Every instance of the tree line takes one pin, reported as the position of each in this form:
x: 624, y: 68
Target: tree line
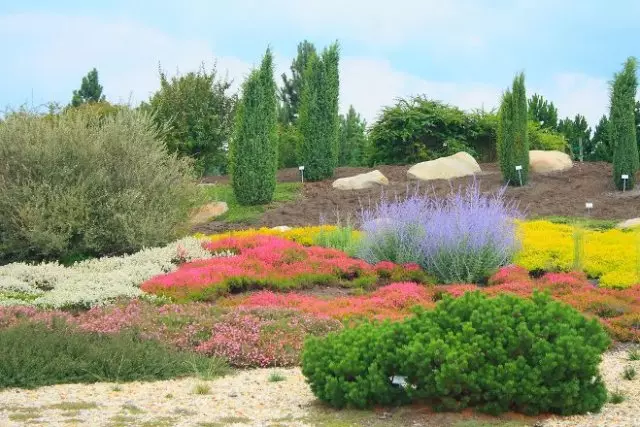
x: 225, y: 132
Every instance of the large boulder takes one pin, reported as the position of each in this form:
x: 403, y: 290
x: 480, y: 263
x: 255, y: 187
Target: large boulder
x: 361, y: 181
x: 549, y: 161
x: 630, y: 223
x: 206, y: 213
x: 455, y: 166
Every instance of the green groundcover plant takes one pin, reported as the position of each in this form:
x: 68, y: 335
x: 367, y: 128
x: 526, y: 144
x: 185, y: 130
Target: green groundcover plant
x: 497, y: 354
x: 35, y: 354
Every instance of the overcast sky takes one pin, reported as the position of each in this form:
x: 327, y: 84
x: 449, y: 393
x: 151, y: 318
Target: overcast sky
x: 463, y: 52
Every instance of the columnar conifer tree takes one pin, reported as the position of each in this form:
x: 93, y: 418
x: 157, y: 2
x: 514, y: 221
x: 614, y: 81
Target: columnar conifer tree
x: 254, y: 146
x: 513, y: 140
x: 319, y: 122
x: 622, y: 126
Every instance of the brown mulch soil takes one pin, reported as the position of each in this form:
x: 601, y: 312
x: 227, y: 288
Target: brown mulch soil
x: 562, y: 194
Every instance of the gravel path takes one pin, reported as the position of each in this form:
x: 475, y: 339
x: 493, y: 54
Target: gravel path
x: 249, y: 398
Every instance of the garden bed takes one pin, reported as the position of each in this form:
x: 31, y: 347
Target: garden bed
x: 557, y: 194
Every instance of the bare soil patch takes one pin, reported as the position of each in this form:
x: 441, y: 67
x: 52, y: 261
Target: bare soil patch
x: 557, y: 194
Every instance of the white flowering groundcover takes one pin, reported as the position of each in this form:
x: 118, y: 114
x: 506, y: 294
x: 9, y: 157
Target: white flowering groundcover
x: 92, y: 282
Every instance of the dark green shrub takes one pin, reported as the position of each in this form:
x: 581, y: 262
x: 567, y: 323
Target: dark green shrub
x: 416, y: 130
x: 545, y: 139
x: 513, y: 138
x: 622, y: 125
x: 83, y: 184
x: 254, y: 149
x: 199, y: 112
x: 319, y: 122
x: 34, y: 354
x: 496, y: 354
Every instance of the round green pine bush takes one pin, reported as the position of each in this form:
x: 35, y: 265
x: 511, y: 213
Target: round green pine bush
x: 352, y: 367
x: 497, y: 354
x: 82, y: 183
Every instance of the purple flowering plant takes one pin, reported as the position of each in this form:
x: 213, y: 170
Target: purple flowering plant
x: 463, y: 237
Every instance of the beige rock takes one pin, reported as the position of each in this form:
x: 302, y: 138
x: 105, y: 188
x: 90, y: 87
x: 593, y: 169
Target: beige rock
x: 455, y: 166
x: 630, y: 223
x: 362, y: 181
x: 549, y: 161
x: 281, y: 228
x: 208, y: 212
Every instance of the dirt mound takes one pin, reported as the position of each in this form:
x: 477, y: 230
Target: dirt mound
x: 563, y: 193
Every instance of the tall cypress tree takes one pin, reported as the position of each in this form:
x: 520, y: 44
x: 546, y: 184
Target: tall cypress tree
x: 254, y: 147
x: 513, y: 140
x: 318, y: 122
x: 622, y: 126
x: 353, y: 139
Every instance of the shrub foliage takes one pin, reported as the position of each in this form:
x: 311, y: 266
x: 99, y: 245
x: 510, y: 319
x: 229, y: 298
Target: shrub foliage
x: 82, y: 184
x: 462, y: 238
x: 254, y: 149
x: 34, y: 354
x: 513, y: 139
x: 496, y: 354
x: 319, y: 122
x: 622, y: 125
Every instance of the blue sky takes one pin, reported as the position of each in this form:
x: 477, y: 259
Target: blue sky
x: 460, y: 51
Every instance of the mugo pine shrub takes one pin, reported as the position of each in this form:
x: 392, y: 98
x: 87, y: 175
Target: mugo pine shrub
x: 497, y: 354
x: 254, y: 149
x: 80, y: 184
x: 513, y: 137
x: 462, y: 238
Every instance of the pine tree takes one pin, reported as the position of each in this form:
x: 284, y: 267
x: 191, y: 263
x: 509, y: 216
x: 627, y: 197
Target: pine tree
x: 353, y: 139
x: 291, y: 91
x: 318, y: 123
x: 622, y: 126
x: 577, y: 132
x: 90, y: 90
x: 254, y: 148
x: 543, y: 112
x: 602, y: 150
x: 513, y: 141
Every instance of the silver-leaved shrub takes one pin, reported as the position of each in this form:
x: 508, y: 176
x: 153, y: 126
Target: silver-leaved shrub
x: 461, y: 238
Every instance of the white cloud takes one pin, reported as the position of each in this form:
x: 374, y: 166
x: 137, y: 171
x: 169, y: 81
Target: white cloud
x: 369, y: 84
x: 55, y: 51
x: 62, y: 49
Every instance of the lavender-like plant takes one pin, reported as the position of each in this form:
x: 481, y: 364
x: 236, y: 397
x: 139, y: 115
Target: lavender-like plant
x: 461, y: 238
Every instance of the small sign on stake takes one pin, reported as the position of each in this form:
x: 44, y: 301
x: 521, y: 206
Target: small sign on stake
x: 519, y: 169
x: 624, y: 182
x: 399, y: 380
x: 588, y: 206
x: 301, y: 169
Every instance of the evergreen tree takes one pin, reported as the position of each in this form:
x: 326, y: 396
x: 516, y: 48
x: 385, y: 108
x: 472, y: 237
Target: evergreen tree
x: 577, y: 131
x: 513, y: 141
x: 353, y: 139
x: 543, y: 112
x: 318, y: 123
x: 254, y: 148
x: 90, y: 90
x: 602, y: 150
x: 291, y: 91
x: 200, y: 112
x: 622, y: 128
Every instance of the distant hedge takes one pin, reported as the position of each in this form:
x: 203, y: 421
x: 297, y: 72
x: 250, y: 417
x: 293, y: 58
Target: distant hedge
x: 418, y: 129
